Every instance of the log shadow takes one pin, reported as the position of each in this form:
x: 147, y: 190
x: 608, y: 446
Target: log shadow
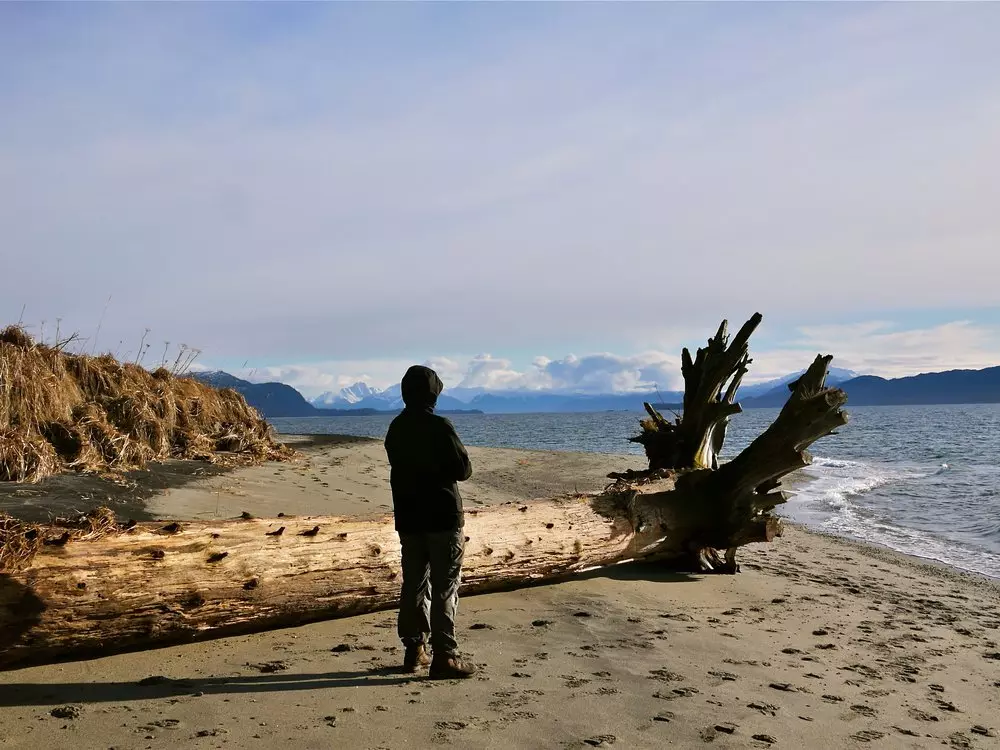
x: 641, y: 570
x: 22, y: 609
x: 53, y: 693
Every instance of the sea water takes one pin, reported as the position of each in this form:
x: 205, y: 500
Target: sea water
x: 924, y: 480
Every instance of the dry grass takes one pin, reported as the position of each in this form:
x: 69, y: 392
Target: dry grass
x: 62, y: 411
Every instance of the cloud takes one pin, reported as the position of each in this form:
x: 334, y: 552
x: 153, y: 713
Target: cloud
x: 316, y: 378
x: 873, y: 347
x: 594, y: 373
x: 490, y: 373
x: 359, y: 182
x: 887, y: 349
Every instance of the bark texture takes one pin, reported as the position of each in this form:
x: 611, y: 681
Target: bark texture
x: 155, y: 583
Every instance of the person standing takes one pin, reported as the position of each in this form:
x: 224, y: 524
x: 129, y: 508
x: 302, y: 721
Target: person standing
x: 427, y: 460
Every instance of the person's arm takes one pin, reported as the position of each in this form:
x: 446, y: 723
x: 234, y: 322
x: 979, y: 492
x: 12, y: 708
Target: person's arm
x: 456, y: 458
x: 390, y: 442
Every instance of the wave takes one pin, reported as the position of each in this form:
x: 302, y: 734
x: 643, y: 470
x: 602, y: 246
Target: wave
x: 832, y: 501
x: 835, y: 481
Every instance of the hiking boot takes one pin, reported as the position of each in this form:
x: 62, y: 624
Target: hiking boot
x: 450, y: 668
x: 415, y: 658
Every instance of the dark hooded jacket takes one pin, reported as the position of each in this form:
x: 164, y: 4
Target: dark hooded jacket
x: 426, y: 459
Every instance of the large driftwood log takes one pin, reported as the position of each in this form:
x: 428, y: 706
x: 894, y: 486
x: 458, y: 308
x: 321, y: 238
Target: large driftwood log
x: 69, y: 591
x: 157, y: 583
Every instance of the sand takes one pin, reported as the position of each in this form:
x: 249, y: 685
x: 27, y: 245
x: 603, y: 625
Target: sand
x: 818, y: 643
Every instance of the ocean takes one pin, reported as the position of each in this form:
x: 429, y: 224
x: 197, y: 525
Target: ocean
x: 924, y: 480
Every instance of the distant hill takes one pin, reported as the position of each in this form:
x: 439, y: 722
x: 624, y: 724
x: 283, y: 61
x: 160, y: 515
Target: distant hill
x: 951, y: 387
x: 834, y: 376
x: 361, y: 395
x: 280, y: 400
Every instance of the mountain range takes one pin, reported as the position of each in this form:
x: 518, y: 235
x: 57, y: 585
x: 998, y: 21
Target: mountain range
x: 360, y: 395
x: 273, y: 399
x: 281, y: 400
x: 950, y: 387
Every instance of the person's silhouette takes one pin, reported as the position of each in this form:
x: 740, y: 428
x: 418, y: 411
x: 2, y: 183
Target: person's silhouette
x: 427, y: 460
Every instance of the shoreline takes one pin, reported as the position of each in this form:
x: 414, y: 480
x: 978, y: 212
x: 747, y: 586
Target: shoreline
x: 884, y: 552
x: 819, y: 642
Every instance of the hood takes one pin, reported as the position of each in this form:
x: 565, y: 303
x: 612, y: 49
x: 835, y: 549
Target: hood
x: 421, y: 387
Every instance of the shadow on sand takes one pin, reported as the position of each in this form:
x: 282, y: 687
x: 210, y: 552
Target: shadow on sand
x: 151, y: 688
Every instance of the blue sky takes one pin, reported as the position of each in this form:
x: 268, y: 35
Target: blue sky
x: 329, y: 192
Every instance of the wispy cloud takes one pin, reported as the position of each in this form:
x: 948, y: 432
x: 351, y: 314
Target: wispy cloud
x: 886, y: 349
x: 361, y: 183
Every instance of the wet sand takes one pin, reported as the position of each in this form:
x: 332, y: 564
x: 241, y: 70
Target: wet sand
x: 818, y: 643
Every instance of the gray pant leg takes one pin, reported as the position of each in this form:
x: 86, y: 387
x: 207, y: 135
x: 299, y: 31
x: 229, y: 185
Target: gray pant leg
x: 413, y: 625
x: 446, y: 549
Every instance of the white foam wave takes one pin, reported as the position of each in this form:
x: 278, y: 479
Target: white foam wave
x: 829, y: 502
x: 835, y: 481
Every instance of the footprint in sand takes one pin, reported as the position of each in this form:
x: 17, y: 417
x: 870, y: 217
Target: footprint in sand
x: 863, y: 710
x: 665, y: 675
x: 785, y: 687
x: 269, y: 667
x: 867, y: 735
x: 452, y: 725
x: 946, y: 705
x: 724, y: 676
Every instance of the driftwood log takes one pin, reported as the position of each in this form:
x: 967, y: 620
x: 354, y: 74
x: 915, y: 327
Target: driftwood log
x: 97, y: 586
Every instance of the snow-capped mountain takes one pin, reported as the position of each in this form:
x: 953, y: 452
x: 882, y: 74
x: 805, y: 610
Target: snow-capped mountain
x: 391, y: 399
x: 361, y: 396
x: 349, y: 396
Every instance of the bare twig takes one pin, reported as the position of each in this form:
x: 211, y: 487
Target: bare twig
x: 60, y: 345
x: 141, y: 342
x: 180, y: 353
x: 99, y: 324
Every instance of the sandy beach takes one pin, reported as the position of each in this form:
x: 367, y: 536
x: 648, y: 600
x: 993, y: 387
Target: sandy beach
x: 818, y: 643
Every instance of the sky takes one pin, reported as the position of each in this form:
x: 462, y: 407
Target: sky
x: 524, y: 195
